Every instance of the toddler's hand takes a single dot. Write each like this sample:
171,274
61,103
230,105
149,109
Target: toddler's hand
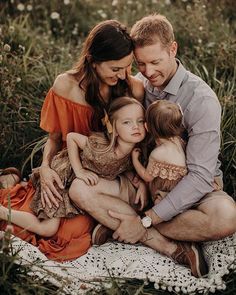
89,177
136,152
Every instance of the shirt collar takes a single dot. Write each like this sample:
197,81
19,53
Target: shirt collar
173,86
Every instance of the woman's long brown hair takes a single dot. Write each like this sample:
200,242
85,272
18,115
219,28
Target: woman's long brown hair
109,40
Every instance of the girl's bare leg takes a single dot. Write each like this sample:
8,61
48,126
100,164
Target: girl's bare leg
28,221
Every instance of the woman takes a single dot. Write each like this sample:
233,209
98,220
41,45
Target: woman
76,103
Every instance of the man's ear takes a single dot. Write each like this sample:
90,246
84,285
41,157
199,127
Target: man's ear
173,48
145,125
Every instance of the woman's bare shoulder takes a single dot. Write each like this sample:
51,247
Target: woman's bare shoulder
64,84
137,88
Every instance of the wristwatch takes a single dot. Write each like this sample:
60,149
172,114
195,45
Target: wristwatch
146,221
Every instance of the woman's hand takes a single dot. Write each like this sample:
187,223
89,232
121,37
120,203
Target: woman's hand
89,177
49,194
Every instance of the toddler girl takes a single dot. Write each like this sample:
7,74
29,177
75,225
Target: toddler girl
166,164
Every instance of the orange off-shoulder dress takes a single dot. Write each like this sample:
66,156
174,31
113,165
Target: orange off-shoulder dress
73,237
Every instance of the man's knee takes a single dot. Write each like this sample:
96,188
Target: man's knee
223,219
80,193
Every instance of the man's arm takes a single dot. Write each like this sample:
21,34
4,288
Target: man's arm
201,158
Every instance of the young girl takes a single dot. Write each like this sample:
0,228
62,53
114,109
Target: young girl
166,164
101,156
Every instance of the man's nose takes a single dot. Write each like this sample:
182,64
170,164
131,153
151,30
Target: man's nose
122,74
149,71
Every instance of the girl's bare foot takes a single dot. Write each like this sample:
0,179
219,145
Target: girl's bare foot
9,177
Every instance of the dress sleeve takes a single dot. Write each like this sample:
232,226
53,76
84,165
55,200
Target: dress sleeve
49,113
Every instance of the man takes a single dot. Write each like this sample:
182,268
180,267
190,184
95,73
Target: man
191,211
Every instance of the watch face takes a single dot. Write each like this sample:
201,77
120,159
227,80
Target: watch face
146,221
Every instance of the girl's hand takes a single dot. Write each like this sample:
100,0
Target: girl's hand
141,196
136,152
48,191
89,177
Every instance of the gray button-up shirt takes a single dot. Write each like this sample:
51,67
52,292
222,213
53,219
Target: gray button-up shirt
201,118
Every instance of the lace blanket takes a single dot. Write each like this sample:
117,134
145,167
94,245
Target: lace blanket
132,261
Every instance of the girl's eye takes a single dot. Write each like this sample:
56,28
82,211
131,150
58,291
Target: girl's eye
126,122
115,70
141,121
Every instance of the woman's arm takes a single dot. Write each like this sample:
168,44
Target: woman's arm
76,142
47,175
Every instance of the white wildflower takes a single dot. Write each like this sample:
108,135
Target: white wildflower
18,79
114,3
199,41
11,29
66,2
102,13
200,28
7,47
55,15
167,2
22,48
20,7
29,7
75,31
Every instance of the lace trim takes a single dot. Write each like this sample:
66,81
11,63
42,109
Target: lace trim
167,171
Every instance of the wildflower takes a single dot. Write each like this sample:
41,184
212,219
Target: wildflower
29,7
102,13
66,2
11,29
200,28
18,79
55,15
199,41
20,7
167,2
22,48
7,47
75,31
114,2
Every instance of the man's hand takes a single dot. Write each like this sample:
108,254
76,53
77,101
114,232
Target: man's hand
130,229
48,190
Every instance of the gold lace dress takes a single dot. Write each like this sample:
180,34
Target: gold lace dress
106,165
166,176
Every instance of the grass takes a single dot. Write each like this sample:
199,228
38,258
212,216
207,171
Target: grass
35,48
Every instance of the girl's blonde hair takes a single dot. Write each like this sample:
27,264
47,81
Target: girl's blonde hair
164,119
109,140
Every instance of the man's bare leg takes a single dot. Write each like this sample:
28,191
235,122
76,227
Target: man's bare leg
211,220
99,199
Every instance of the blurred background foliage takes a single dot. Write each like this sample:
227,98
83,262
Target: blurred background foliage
40,39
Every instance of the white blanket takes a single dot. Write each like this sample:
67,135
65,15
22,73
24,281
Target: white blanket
131,261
